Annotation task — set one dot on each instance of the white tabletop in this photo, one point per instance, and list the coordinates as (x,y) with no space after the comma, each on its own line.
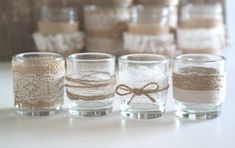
(63,130)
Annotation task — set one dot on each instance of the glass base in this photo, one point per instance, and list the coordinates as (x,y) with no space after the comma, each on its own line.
(137,113)
(143,114)
(91,108)
(28,112)
(202,112)
(91,112)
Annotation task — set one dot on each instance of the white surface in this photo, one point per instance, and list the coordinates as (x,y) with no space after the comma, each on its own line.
(62,130)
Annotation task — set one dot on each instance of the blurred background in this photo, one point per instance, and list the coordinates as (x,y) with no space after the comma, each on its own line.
(167,27)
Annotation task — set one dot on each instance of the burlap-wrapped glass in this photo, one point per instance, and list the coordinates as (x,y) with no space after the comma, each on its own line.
(202,27)
(105,21)
(199,82)
(149,31)
(58,31)
(38,83)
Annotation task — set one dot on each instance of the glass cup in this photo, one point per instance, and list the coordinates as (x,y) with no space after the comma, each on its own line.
(90,81)
(199,82)
(149,31)
(54,20)
(202,27)
(38,83)
(143,84)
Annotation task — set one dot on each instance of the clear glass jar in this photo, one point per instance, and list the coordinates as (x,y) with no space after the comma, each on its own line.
(149,31)
(199,82)
(201,28)
(38,83)
(104,24)
(172,5)
(58,31)
(143,85)
(90,81)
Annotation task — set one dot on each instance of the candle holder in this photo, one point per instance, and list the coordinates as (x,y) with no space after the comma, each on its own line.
(202,27)
(143,84)
(199,82)
(105,21)
(38,83)
(58,31)
(149,31)
(90,81)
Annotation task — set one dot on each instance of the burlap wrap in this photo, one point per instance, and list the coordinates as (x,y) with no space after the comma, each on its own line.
(200,23)
(57,27)
(148,29)
(115,33)
(199,85)
(39,82)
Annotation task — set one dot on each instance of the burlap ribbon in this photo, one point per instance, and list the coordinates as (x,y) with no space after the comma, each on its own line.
(45,71)
(108,2)
(115,33)
(123,90)
(148,29)
(199,85)
(38,67)
(200,50)
(40,104)
(157,2)
(200,23)
(57,27)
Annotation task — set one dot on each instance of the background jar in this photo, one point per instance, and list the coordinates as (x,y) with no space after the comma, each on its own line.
(140,74)
(105,22)
(199,82)
(201,27)
(58,30)
(38,83)
(90,83)
(171,4)
(149,31)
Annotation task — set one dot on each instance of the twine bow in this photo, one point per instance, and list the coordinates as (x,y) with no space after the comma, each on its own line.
(139,91)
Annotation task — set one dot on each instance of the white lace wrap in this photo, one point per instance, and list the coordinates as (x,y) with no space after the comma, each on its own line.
(160,44)
(201,38)
(59,43)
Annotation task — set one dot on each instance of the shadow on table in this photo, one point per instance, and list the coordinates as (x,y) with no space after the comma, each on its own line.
(63,122)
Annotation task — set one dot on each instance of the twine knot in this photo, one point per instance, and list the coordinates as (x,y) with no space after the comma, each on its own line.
(137,91)
(123,90)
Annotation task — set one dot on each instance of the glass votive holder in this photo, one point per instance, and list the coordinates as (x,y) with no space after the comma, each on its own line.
(58,31)
(149,31)
(143,85)
(90,83)
(199,82)
(38,79)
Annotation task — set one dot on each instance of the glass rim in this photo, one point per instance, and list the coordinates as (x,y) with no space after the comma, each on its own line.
(164,59)
(218,58)
(20,56)
(108,57)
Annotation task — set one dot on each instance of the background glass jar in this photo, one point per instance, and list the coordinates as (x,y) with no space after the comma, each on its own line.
(38,83)
(171,4)
(201,27)
(105,23)
(199,82)
(58,31)
(149,31)
(143,84)
(90,80)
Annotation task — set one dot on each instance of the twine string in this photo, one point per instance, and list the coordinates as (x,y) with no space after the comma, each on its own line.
(84,83)
(123,90)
